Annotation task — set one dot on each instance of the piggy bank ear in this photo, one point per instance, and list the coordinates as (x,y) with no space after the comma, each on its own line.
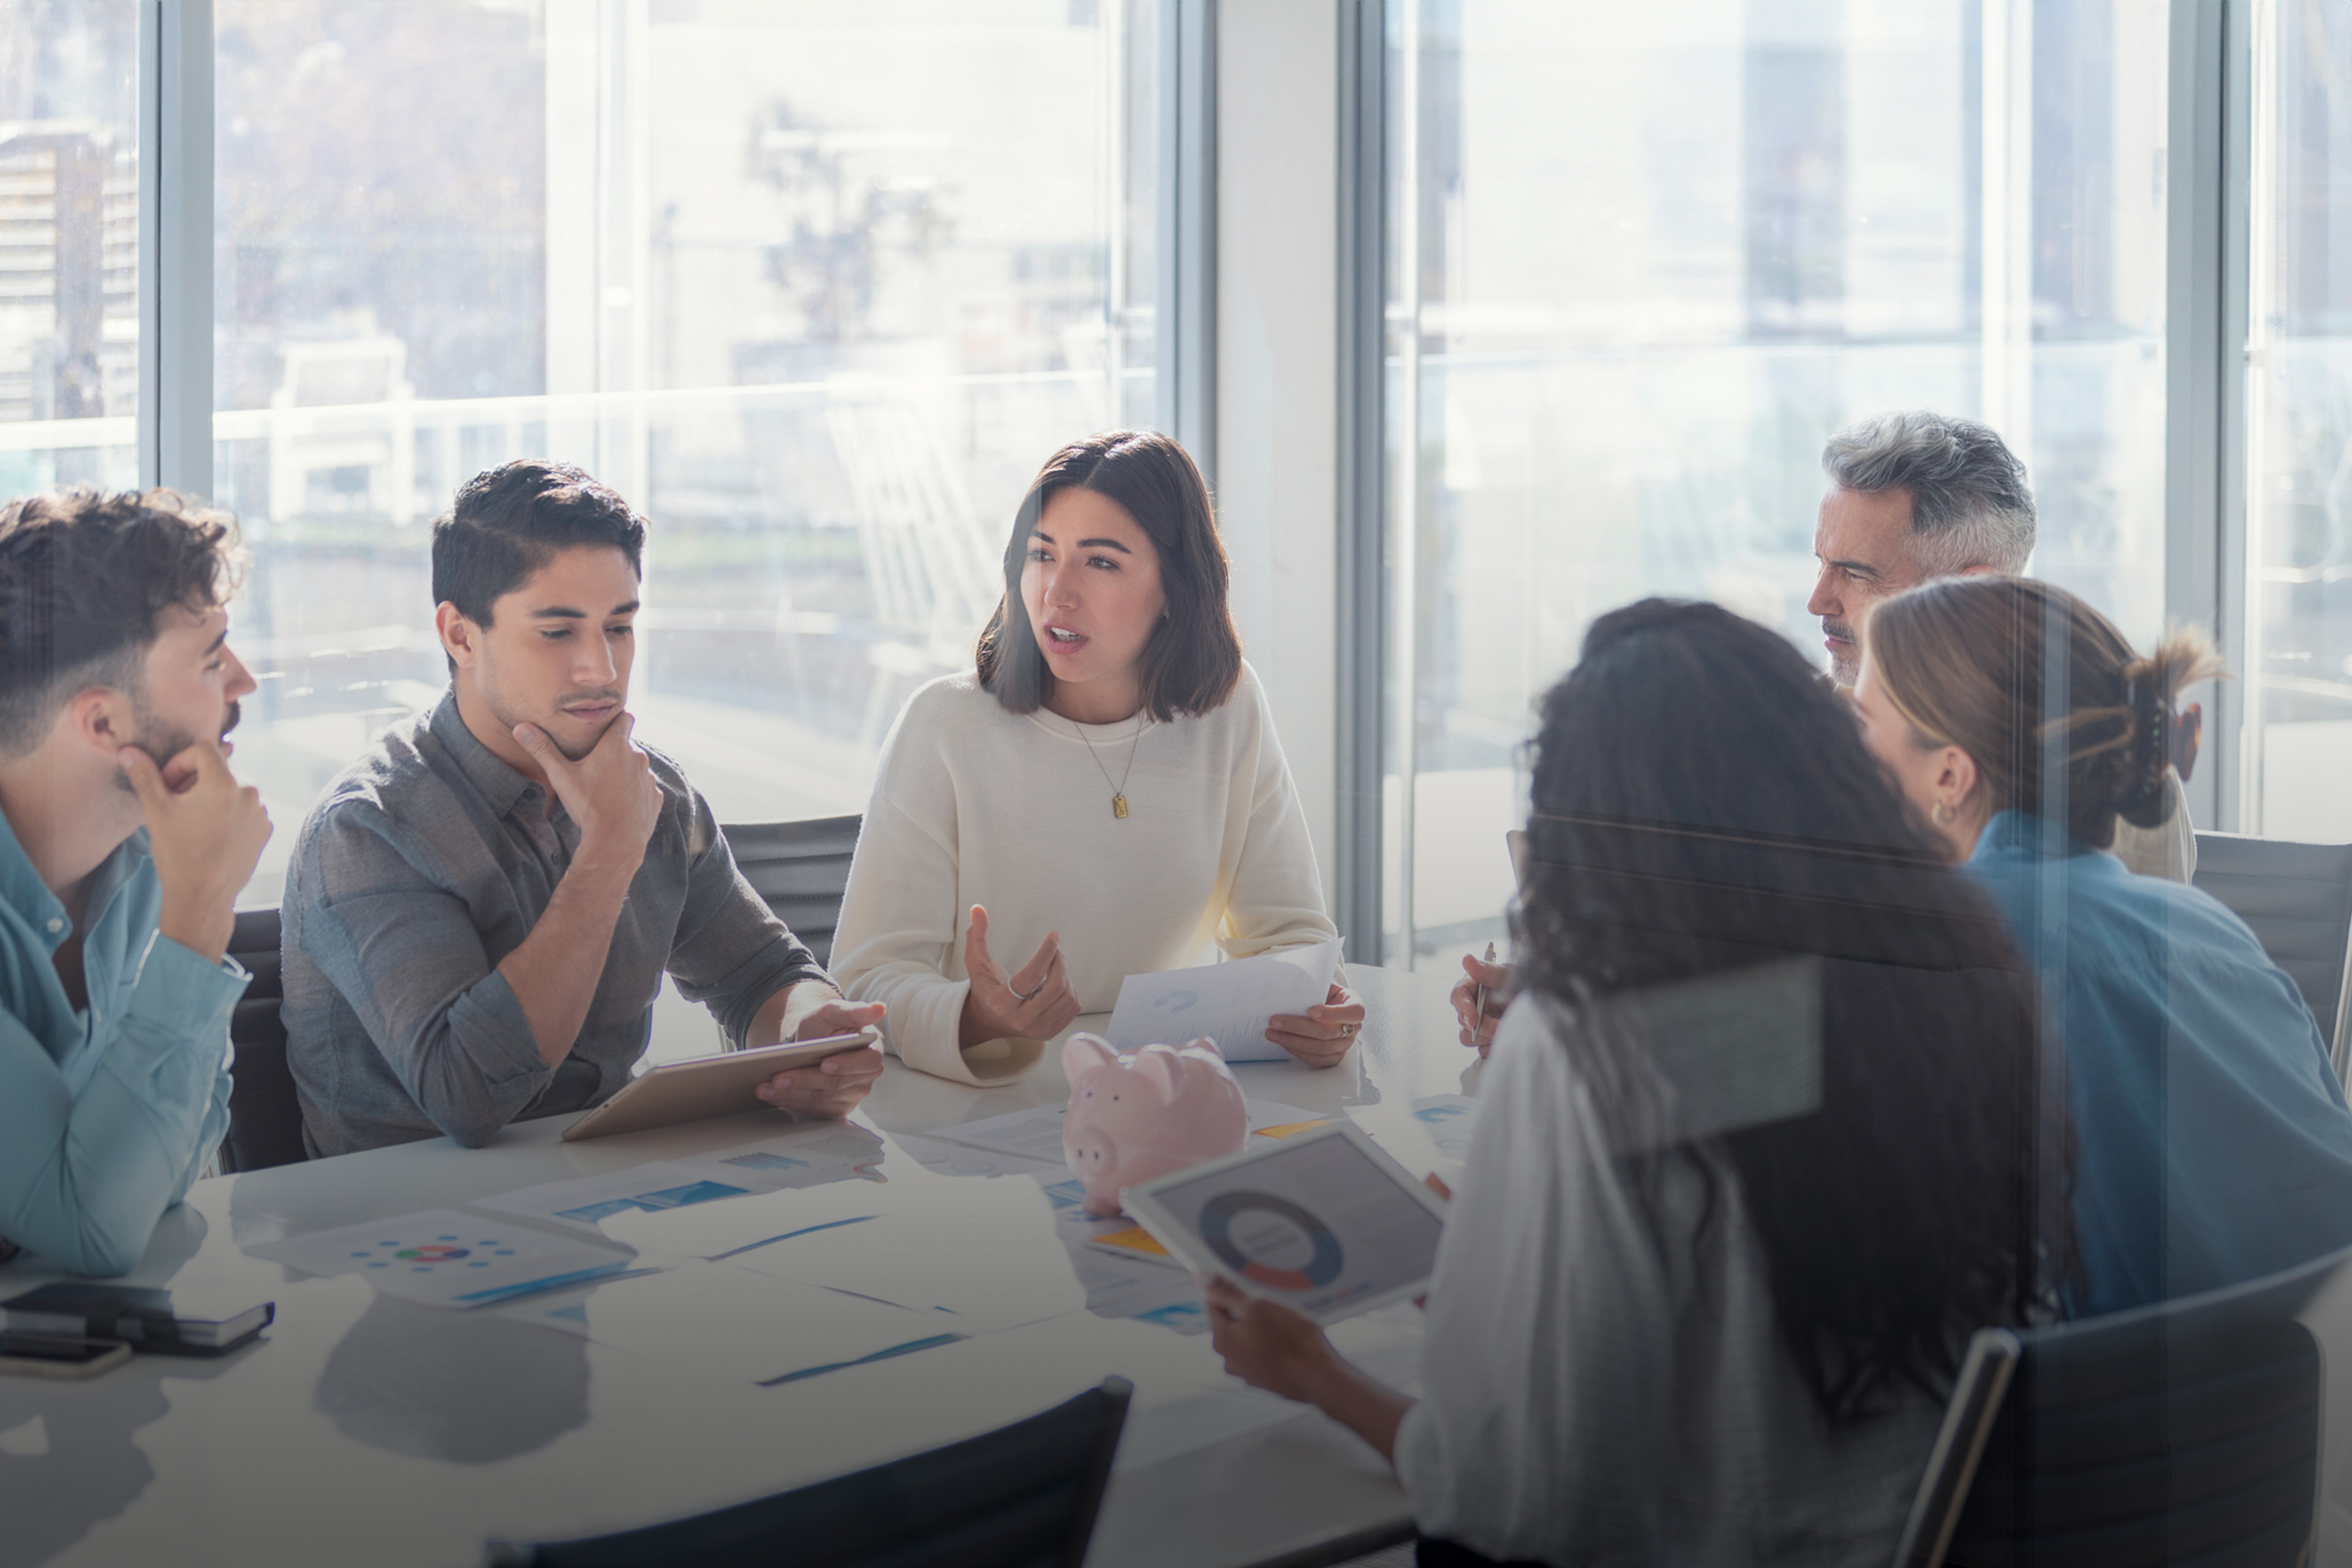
(1199,1065)
(1083,1055)
(1157,1067)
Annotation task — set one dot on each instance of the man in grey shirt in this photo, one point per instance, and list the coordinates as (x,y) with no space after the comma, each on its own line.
(481,908)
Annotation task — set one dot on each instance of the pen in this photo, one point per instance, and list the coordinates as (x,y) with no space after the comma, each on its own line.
(1478,1001)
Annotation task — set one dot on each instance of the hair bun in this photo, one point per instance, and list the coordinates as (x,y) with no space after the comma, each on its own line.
(2150,701)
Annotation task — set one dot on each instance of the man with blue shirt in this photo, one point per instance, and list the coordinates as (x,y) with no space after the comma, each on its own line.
(482,906)
(124,842)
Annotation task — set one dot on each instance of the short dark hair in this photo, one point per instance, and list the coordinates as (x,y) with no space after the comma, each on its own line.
(85,578)
(1194,659)
(511,521)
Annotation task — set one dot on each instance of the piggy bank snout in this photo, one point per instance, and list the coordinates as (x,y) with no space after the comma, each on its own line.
(1092,1151)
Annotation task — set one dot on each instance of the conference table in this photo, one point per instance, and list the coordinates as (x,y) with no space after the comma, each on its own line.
(364,1428)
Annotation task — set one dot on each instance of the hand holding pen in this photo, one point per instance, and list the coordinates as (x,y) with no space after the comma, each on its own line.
(1480,998)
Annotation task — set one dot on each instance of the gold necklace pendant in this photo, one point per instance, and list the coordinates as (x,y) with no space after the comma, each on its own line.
(1119,790)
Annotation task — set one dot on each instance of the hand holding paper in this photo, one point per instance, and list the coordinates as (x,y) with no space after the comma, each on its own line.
(1235,1005)
(1322,1036)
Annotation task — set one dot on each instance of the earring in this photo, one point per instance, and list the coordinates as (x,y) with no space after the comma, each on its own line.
(1944,815)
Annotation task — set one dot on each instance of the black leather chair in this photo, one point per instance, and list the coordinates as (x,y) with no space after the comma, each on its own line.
(2298,900)
(1024,1496)
(2187,1432)
(802,868)
(265,1118)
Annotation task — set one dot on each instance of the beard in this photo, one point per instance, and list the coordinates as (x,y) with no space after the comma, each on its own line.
(1846,662)
(162,741)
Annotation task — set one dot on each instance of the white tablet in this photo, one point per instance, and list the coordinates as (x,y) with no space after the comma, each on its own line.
(1323,1222)
(703,1087)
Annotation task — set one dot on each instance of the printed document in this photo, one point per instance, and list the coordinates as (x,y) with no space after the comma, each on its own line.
(1227,1002)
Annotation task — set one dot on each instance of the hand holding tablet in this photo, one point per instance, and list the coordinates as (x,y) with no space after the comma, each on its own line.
(1323,1222)
(834,1086)
(703,1087)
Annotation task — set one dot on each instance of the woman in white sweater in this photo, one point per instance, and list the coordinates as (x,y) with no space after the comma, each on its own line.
(1757,1151)
(1107,799)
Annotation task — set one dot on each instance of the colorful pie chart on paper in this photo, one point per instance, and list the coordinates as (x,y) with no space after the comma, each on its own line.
(434,1252)
(1271,1241)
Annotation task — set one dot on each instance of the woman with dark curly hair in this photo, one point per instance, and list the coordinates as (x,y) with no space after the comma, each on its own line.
(1762,1143)
(2021,725)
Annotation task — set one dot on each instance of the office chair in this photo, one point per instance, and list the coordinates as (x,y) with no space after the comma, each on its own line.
(264,1117)
(1024,1496)
(802,868)
(2187,1432)
(2298,900)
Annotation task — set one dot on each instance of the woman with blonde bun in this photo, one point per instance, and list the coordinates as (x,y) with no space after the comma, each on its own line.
(2215,1145)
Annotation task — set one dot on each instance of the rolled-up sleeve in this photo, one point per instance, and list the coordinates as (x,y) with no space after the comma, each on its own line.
(730,953)
(84,1177)
(405,954)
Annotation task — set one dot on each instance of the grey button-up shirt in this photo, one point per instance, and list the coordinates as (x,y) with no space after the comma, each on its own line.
(424,864)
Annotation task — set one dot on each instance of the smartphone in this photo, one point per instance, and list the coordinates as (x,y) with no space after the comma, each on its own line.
(58,1356)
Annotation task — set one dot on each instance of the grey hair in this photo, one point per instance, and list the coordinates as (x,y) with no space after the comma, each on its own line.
(1971,505)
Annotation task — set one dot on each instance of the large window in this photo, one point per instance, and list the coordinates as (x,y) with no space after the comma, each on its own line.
(69,243)
(1644,260)
(816,286)
(2298,679)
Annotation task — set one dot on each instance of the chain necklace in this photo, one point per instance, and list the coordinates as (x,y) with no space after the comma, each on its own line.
(1119,790)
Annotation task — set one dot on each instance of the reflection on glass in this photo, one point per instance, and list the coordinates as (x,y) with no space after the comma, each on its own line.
(2298,675)
(69,243)
(1644,261)
(465,1387)
(815,287)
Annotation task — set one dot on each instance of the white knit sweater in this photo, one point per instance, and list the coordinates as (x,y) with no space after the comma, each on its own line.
(974,804)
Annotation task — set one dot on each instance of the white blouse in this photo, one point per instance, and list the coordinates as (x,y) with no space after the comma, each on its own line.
(974,804)
(1600,1390)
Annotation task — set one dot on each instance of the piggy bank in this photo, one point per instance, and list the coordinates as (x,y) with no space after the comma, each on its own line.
(1145,1114)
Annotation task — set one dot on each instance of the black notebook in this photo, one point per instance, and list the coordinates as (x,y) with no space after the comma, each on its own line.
(178,1324)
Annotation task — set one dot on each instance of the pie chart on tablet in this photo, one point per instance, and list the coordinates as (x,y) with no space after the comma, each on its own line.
(1271,1241)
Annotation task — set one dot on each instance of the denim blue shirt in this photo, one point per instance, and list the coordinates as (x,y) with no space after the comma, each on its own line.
(107,1111)
(424,865)
(2214,1145)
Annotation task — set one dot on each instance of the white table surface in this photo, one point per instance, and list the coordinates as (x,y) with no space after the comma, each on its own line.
(364,1429)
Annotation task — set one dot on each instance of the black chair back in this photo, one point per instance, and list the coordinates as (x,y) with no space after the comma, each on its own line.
(1024,1496)
(2298,900)
(2187,1432)
(265,1116)
(802,868)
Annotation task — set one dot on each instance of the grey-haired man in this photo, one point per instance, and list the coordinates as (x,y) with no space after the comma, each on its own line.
(1914,496)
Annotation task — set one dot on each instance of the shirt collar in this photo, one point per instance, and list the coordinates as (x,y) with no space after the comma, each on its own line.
(499,785)
(22,889)
(2021,836)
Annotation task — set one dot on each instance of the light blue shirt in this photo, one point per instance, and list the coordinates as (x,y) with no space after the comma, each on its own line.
(108,1110)
(2213,1141)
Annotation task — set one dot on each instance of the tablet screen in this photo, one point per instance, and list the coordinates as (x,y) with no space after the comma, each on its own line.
(1321,1224)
